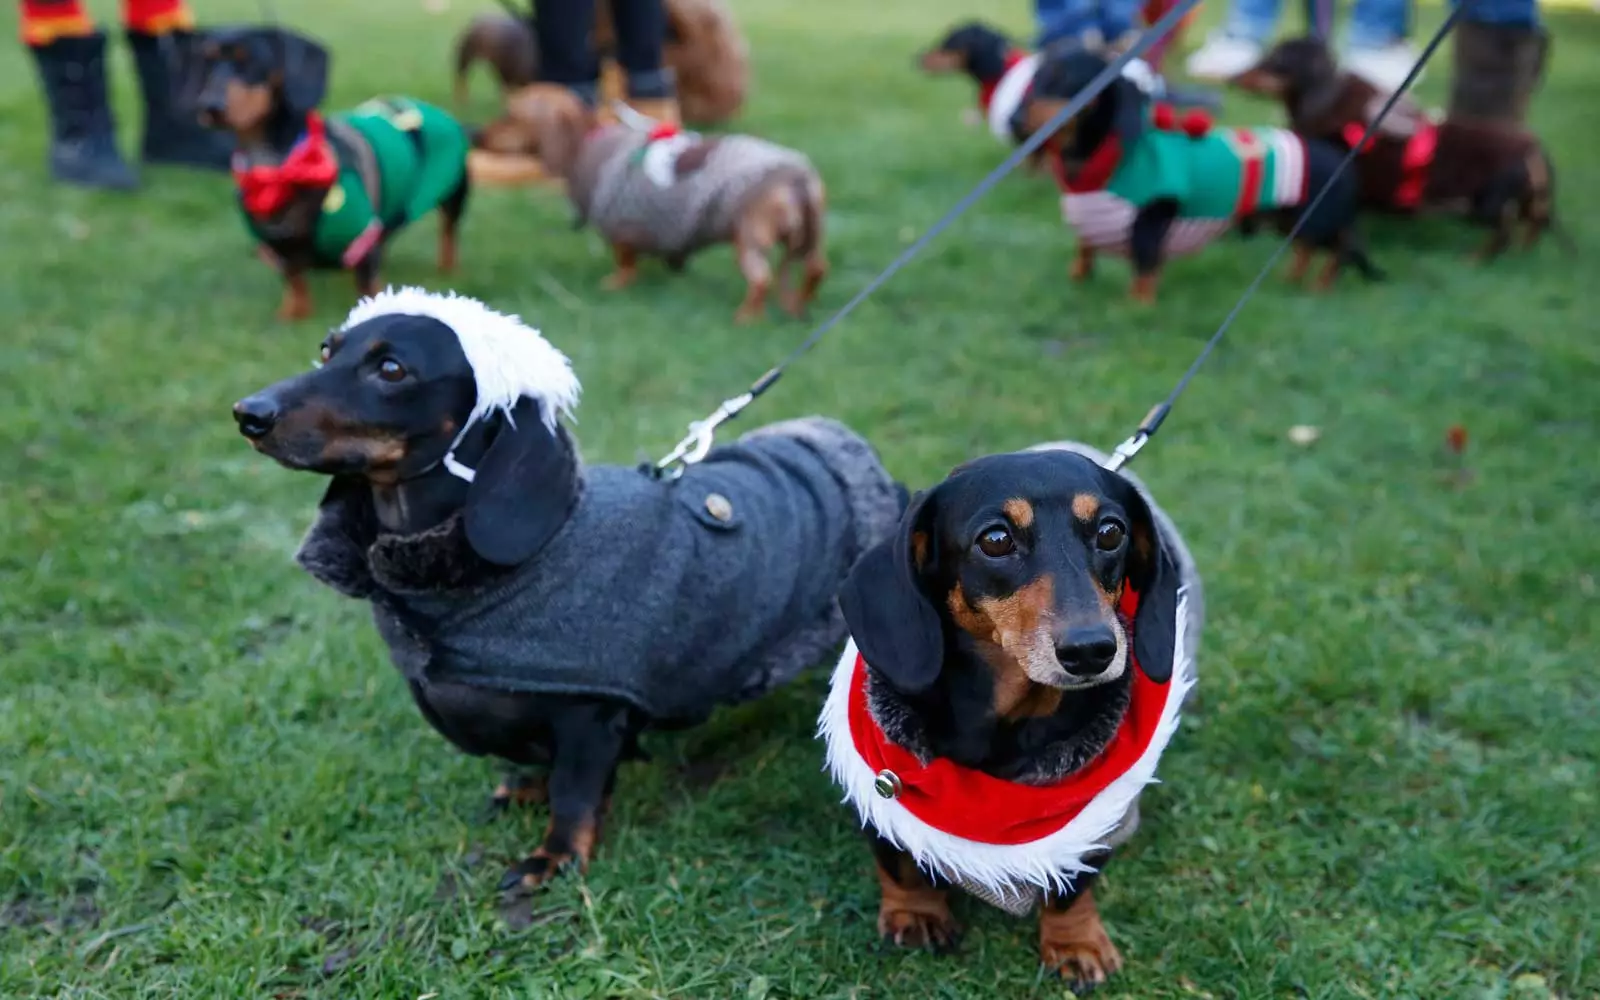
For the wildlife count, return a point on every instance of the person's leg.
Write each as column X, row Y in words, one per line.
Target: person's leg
column 154, row 28
column 69, row 53
column 1375, row 42
column 1240, row 44
column 1319, row 19
column 564, row 29
column 1059, row 19
column 641, row 27
column 1500, row 50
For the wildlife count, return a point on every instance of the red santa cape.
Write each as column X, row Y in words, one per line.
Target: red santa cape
column 1002, row 102
column 1002, row 839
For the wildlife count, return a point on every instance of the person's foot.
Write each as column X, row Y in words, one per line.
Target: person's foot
column 1223, row 57
column 83, row 137
column 1385, row 67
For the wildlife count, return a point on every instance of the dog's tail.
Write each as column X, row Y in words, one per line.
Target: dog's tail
column 466, row 55
column 804, row 239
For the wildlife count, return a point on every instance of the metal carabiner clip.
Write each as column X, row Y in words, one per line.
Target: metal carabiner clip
column 702, row 435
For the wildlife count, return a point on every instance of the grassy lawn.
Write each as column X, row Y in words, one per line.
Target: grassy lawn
column 212, row 783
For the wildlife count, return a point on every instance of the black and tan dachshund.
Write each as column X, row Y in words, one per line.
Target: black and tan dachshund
column 995, row 633
column 543, row 610
column 987, row 57
column 1142, row 181
column 323, row 192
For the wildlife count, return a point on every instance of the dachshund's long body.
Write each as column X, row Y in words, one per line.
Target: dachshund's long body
column 1494, row 173
column 1139, row 182
column 325, row 192
column 544, row 611
column 1032, row 612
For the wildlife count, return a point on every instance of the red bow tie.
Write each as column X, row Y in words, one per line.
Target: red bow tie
column 311, row 164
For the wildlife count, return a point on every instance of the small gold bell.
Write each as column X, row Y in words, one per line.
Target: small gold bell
column 719, row 507
column 887, row 784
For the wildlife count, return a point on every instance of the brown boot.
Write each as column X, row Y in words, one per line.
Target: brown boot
column 653, row 97
column 1497, row 69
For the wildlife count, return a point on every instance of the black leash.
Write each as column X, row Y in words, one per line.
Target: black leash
column 701, row 433
column 1153, row 420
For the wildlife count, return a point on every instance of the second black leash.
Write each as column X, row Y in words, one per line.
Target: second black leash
column 1158, row 413
column 702, row 433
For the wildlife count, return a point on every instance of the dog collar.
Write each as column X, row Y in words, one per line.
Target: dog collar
column 999, row 837
column 1001, row 99
column 311, row 164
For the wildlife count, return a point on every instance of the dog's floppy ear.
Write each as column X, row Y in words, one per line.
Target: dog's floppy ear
column 893, row 622
column 523, row 490
column 1153, row 573
column 302, row 71
column 1127, row 117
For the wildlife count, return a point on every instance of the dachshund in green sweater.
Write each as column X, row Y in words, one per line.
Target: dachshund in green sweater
column 324, row 192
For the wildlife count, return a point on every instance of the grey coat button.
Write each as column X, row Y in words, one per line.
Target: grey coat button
column 719, row 507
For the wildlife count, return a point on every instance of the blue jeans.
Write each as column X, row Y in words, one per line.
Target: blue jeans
column 1058, row 19
column 1519, row 13
column 1373, row 23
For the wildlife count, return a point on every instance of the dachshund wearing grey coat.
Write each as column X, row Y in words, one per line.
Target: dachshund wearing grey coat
column 540, row 610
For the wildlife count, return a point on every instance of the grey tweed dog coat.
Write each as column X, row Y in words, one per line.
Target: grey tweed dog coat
column 610, row 189
column 671, row 596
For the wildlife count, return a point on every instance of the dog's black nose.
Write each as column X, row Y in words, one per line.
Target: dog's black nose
column 1084, row 652
column 256, row 415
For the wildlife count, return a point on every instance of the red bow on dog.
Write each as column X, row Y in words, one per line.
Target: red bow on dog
column 265, row 190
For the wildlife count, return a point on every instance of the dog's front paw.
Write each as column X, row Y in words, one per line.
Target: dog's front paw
column 1074, row 945
column 1083, row 964
column 616, row 281
column 522, row 790
column 936, row 930
column 538, row 868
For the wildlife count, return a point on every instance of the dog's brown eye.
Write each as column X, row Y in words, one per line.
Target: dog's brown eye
column 996, row 542
column 391, row 370
column 1108, row 537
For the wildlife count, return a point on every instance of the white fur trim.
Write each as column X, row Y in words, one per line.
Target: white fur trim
column 509, row 359
column 1008, row 94
column 1007, row 870
column 661, row 158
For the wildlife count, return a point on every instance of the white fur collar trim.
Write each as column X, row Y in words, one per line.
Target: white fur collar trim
column 509, row 359
column 1008, row 94
column 1004, row 870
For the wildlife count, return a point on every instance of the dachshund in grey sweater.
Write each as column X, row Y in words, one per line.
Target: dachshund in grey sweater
column 670, row 194
column 540, row 610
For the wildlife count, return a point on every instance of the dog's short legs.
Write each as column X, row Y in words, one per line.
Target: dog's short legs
column 1504, row 222
column 1083, row 263
column 752, row 250
column 519, row 789
column 450, row 213
column 296, row 302
column 912, row 911
column 627, row 260
column 1300, row 263
column 366, row 272
column 1330, row 271
column 1072, row 941
column 588, row 742
column 1145, row 243
column 816, row 268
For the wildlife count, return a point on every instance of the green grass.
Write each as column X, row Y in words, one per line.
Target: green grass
column 212, row 783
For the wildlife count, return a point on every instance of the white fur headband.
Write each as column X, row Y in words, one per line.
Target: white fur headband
column 509, row 359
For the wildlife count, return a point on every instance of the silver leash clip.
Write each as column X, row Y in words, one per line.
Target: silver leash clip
column 1126, row 450
column 702, row 434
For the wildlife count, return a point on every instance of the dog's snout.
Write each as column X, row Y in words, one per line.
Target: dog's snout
column 1086, row 651
column 256, row 416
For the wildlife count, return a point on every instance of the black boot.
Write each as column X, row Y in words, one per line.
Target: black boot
column 169, row 135
column 83, row 143
column 1498, row 68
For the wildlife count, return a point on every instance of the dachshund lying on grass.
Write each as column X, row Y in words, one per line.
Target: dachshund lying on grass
column 1140, row 182
column 1021, row 649
column 1497, row 174
column 325, row 192
column 543, row 611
